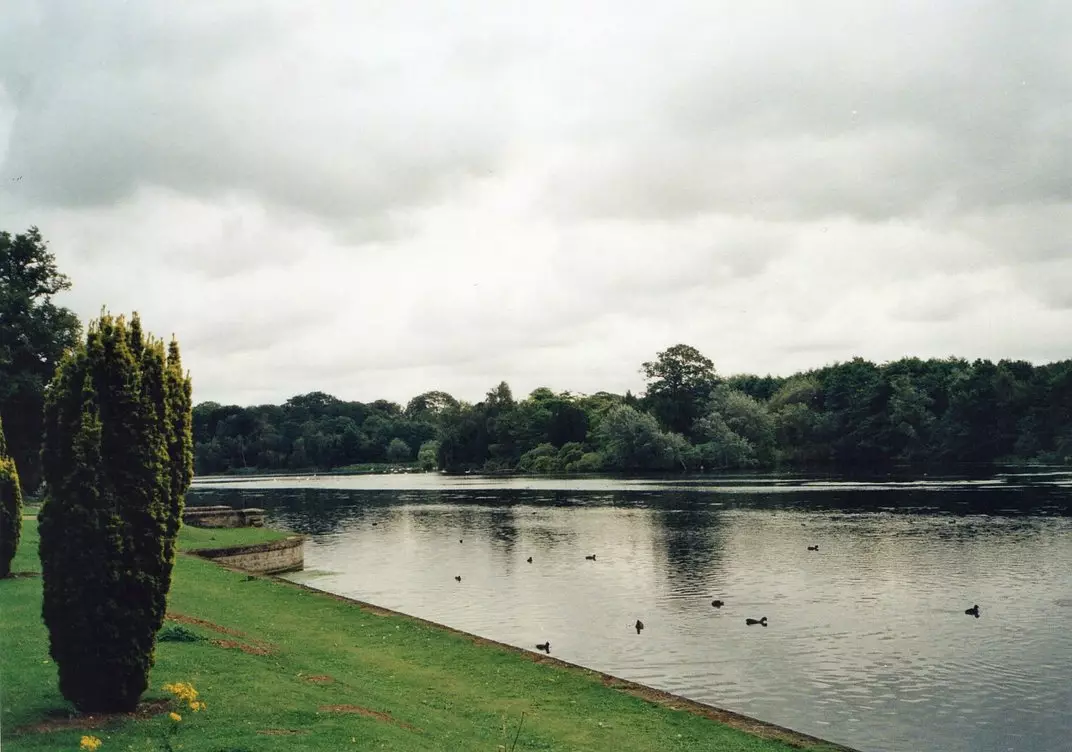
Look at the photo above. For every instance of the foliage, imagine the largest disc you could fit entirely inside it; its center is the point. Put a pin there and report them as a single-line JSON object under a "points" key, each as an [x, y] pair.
{"points": [[429, 406], [427, 455], [399, 451], [720, 446], [116, 461], [848, 414], [308, 431], [632, 441], [680, 380], [749, 419], [10, 508], [177, 633], [34, 333]]}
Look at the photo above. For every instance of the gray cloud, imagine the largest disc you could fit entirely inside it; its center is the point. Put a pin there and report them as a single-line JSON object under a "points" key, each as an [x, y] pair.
{"points": [[376, 201]]}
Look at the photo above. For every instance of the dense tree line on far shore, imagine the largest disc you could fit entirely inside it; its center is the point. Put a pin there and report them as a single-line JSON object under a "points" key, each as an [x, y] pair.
{"points": [[854, 414]]}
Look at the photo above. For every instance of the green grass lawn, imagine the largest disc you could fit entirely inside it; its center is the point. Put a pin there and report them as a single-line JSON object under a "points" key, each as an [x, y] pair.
{"points": [[194, 538], [285, 668]]}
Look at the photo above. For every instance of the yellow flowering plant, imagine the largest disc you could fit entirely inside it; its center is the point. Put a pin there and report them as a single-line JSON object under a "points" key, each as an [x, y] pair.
{"points": [[90, 743], [183, 692]]}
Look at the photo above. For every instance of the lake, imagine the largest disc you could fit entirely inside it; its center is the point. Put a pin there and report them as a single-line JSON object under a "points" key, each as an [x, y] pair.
{"points": [[867, 642]]}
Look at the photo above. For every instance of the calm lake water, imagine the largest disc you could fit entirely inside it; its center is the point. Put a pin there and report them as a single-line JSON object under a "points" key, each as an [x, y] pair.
{"points": [[867, 642]]}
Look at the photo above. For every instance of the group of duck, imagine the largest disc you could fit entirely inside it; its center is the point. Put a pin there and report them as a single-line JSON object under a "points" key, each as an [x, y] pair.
{"points": [[717, 603]]}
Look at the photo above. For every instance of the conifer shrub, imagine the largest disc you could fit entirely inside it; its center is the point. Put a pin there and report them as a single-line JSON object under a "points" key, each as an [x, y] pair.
{"points": [[117, 460], [10, 508]]}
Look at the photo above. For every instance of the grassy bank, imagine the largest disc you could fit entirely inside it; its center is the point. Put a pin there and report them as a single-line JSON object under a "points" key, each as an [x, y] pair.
{"points": [[281, 667]]}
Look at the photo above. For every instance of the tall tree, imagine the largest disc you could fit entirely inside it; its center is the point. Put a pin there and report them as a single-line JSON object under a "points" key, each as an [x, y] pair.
{"points": [[429, 406], [34, 333], [10, 508], [116, 461], [680, 381]]}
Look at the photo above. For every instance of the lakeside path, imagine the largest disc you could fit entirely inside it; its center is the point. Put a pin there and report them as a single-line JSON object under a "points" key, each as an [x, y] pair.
{"points": [[281, 666]]}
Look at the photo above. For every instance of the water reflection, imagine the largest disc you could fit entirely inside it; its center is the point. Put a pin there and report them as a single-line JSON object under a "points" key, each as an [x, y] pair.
{"points": [[867, 640]]}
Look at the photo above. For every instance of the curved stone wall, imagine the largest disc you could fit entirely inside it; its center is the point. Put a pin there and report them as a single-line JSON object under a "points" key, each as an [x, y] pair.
{"points": [[274, 557]]}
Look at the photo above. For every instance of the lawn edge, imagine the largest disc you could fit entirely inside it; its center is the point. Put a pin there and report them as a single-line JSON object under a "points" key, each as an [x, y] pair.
{"points": [[747, 724]]}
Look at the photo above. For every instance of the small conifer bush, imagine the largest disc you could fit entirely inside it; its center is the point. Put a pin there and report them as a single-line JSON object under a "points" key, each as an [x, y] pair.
{"points": [[117, 461], [10, 508]]}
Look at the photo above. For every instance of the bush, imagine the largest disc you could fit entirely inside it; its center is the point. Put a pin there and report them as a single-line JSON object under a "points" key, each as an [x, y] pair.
{"points": [[399, 451], [569, 453], [428, 454], [117, 462], [10, 508], [177, 633], [591, 462], [539, 459], [631, 441]]}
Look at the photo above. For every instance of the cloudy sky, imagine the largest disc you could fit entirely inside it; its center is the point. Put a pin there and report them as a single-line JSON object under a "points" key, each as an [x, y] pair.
{"points": [[375, 199]]}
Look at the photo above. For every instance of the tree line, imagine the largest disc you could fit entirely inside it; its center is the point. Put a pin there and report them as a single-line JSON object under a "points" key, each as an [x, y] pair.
{"points": [[853, 414]]}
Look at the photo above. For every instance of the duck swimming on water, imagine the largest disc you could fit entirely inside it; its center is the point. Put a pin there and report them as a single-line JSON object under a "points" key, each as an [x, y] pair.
{"points": [[813, 548], [544, 646], [973, 611], [639, 626], [761, 622], [591, 557], [718, 604], [458, 577]]}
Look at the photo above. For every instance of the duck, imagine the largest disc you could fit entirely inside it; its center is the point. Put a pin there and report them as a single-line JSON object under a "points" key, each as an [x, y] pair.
{"points": [[973, 611], [458, 577], [529, 560], [761, 622], [460, 540], [591, 557], [718, 604], [639, 626], [813, 548], [544, 646]]}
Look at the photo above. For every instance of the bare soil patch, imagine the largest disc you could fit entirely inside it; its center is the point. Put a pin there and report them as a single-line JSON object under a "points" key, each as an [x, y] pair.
{"points": [[255, 647], [248, 649], [379, 715], [194, 621], [63, 720], [321, 679]]}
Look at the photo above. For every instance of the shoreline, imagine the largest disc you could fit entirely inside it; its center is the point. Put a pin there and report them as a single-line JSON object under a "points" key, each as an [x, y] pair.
{"points": [[276, 658]]}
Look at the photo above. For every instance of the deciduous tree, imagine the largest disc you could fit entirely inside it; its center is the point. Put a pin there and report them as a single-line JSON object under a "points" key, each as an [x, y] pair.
{"points": [[34, 333], [680, 381]]}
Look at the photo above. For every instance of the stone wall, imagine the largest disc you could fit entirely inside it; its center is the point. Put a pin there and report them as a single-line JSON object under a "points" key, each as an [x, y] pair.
{"points": [[274, 557], [220, 516]]}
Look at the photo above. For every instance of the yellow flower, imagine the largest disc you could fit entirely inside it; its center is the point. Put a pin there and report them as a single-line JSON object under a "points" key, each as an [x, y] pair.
{"points": [[198, 705], [182, 690], [90, 743], [174, 716]]}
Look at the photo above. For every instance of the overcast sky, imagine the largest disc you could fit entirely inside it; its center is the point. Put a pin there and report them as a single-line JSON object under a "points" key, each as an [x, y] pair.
{"points": [[377, 199]]}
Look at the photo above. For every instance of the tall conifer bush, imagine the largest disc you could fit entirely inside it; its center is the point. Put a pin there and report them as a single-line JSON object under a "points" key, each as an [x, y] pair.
{"points": [[10, 508], [117, 461]]}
